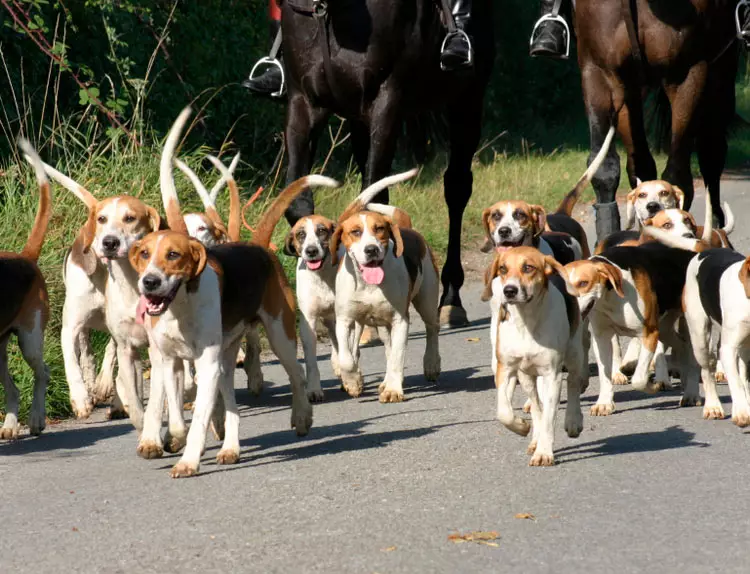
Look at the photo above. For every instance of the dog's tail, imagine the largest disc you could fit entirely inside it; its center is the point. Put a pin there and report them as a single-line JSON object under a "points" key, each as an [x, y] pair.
{"points": [[233, 228], [269, 220], [728, 219], [569, 201], [34, 243], [686, 243], [166, 176], [397, 215], [367, 195], [72, 186], [207, 198]]}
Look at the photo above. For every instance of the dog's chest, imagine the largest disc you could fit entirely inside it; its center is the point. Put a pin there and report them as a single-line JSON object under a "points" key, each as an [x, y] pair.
{"points": [[121, 316], [529, 351], [371, 307], [173, 338], [316, 293]]}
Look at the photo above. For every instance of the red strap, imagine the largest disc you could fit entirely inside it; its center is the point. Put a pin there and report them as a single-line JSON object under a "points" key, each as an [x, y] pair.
{"points": [[274, 12]]}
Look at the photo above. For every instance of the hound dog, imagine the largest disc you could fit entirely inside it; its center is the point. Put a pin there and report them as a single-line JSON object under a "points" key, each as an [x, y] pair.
{"points": [[649, 198], [25, 310], [196, 305], [634, 292], [309, 240], [101, 293], [539, 329], [384, 269]]}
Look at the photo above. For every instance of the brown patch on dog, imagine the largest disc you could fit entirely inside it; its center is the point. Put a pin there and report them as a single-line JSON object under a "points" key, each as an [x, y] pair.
{"points": [[642, 283], [584, 276], [81, 255], [632, 243], [415, 249], [745, 276], [278, 298]]}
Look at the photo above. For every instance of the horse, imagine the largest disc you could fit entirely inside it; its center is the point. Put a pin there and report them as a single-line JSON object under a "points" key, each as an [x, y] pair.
{"points": [[376, 63], [685, 47]]}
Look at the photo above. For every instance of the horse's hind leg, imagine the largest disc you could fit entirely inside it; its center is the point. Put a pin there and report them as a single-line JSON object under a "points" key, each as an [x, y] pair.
{"points": [[598, 98], [303, 125], [717, 109], [465, 120], [385, 128], [641, 164], [684, 98]]}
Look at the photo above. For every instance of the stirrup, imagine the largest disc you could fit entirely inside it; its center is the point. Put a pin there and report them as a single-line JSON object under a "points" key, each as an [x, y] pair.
{"points": [[561, 20], [268, 62], [460, 33], [743, 35]]}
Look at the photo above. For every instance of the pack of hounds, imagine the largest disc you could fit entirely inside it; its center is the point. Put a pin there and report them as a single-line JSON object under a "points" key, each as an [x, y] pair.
{"points": [[188, 290]]}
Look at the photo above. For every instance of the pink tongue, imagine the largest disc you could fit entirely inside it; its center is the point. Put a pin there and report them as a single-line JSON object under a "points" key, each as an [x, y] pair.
{"points": [[140, 310], [501, 248], [314, 265], [372, 275]]}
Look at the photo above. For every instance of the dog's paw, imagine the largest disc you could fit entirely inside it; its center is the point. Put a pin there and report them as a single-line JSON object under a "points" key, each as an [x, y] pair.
{"points": [[82, 409], [527, 406], [602, 409], [9, 433], [541, 459], [741, 418], [619, 378], [713, 412], [302, 418], [531, 449], [720, 377], [149, 449], [353, 383], [175, 442], [650, 387], [188, 406], [227, 456], [690, 401], [391, 396], [183, 470]]}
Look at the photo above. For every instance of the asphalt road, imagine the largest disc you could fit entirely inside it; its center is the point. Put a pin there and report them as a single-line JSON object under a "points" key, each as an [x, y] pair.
{"points": [[380, 488]]}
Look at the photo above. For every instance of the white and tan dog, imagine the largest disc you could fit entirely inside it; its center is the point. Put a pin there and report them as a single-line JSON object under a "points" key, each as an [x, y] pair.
{"points": [[648, 199], [539, 330], [384, 269]]}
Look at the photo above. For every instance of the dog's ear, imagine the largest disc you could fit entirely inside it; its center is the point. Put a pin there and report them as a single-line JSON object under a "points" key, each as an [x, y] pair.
{"points": [[552, 265], [398, 242], [135, 260], [487, 246], [88, 231], [334, 245], [486, 224], [630, 208], [539, 217], [489, 274], [692, 224], [648, 222], [219, 231], [745, 276], [81, 253], [289, 248], [611, 274], [154, 218], [680, 196], [200, 257]]}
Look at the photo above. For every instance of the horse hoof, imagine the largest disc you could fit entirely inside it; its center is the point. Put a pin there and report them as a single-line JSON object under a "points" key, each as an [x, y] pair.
{"points": [[453, 317]]}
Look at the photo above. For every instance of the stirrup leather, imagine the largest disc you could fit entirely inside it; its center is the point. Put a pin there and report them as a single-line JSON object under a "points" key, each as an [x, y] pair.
{"points": [[743, 35], [460, 33], [268, 62], [561, 20]]}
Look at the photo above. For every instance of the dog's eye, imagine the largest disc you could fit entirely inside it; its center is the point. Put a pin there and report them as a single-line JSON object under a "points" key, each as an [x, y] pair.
{"points": [[145, 254], [202, 228], [129, 218], [497, 216], [582, 284], [379, 229], [322, 232], [503, 270], [301, 236], [173, 256], [102, 219], [519, 216], [528, 268], [668, 225], [663, 192], [642, 195], [355, 232]]}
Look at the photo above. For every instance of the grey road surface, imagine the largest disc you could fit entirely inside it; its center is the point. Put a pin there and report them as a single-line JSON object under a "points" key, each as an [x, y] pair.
{"points": [[380, 488]]}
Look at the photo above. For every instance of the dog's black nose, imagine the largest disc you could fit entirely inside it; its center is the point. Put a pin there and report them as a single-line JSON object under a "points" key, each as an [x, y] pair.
{"points": [[503, 231], [151, 282], [510, 291], [653, 207], [110, 243], [311, 252], [372, 250]]}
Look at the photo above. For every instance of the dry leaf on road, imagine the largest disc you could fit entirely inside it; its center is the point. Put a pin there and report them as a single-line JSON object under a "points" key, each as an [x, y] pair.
{"points": [[388, 549], [525, 516], [473, 339], [478, 536]]}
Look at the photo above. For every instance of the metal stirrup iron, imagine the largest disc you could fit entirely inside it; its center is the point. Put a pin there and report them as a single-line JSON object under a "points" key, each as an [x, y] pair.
{"points": [[269, 62], [554, 16], [453, 32], [743, 35]]}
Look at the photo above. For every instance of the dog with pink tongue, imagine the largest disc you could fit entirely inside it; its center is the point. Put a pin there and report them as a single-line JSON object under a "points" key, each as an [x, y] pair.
{"points": [[383, 268]]}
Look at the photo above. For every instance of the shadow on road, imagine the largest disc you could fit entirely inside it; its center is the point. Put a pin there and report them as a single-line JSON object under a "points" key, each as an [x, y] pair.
{"points": [[66, 439]]}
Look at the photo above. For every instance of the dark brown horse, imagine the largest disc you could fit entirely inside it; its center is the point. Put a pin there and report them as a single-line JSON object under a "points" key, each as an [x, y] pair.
{"points": [[687, 48], [376, 63]]}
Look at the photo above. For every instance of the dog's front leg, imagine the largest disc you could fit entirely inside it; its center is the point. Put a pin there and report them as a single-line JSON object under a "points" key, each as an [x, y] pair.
{"points": [[230, 449], [351, 377], [505, 381], [126, 377], [604, 342], [105, 380], [529, 385], [392, 388], [150, 444], [618, 376], [331, 328], [173, 373], [310, 346], [70, 341], [552, 381], [729, 354], [649, 342]]}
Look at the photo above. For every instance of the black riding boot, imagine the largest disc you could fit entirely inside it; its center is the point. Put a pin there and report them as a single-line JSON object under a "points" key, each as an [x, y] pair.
{"points": [[271, 81], [457, 52], [743, 22], [551, 36]]}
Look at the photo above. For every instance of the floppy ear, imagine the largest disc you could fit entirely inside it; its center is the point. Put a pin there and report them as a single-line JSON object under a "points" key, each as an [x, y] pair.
{"points": [[200, 256], [154, 218], [489, 275], [693, 224], [630, 209], [745, 276], [539, 215], [680, 196], [552, 265], [289, 248], [88, 231], [81, 253], [613, 275], [487, 246], [486, 224], [398, 250], [649, 222], [135, 261], [220, 232], [334, 245]]}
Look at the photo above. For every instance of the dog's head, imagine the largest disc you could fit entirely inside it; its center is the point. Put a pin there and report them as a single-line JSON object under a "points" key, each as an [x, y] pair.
{"points": [[208, 232], [368, 237], [310, 240], [649, 198], [512, 224], [165, 261], [588, 280], [518, 275], [115, 223], [675, 222]]}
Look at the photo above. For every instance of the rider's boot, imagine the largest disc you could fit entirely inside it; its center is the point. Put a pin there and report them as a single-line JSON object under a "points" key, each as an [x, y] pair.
{"points": [[457, 52], [742, 19], [551, 35], [271, 81]]}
